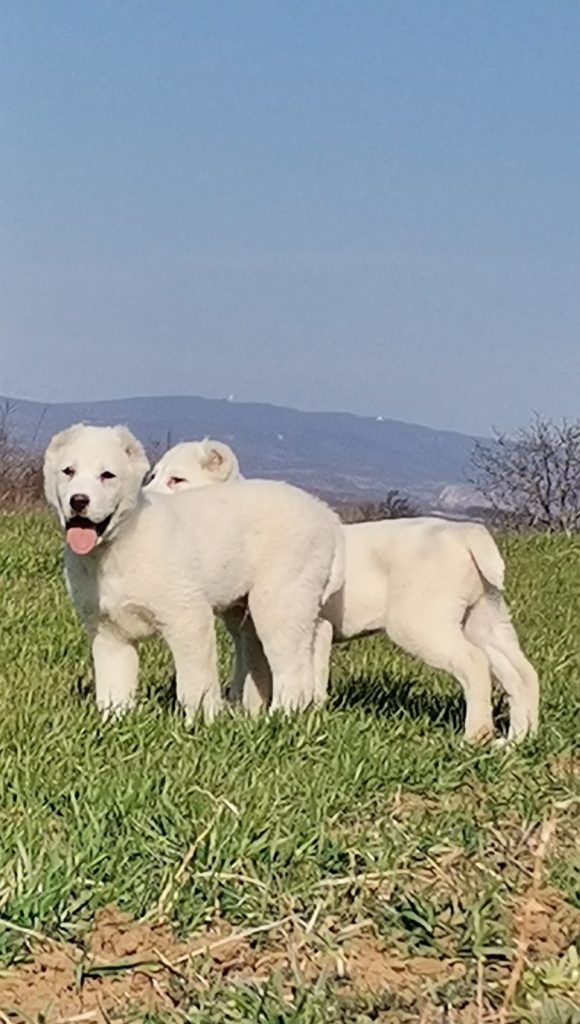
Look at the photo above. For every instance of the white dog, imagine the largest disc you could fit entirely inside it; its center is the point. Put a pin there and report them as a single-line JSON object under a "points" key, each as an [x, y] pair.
{"points": [[136, 564], [433, 586], [193, 464]]}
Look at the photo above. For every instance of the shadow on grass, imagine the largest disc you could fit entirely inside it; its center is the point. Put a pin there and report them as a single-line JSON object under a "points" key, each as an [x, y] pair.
{"points": [[161, 692], [389, 695], [383, 694]]}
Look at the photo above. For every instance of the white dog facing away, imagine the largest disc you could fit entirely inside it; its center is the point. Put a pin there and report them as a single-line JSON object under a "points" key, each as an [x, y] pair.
{"points": [[139, 563], [433, 586]]}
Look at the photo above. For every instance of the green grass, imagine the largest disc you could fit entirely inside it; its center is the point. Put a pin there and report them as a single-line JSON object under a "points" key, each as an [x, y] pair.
{"points": [[292, 816]]}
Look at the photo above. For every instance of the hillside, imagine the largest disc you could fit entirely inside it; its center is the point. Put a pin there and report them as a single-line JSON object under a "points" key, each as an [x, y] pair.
{"points": [[338, 454]]}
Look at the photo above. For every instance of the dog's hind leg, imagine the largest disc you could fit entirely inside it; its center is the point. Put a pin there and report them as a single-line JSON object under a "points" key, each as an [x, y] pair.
{"points": [[439, 640], [251, 685], [116, 673], [322, 649], [233, 619], [193, 646], [235, 689], [489, 626], [257, 677]]}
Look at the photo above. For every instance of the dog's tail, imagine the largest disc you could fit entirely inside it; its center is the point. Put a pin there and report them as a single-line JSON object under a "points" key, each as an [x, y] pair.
{"points": [[337, 570], [485, 554]]}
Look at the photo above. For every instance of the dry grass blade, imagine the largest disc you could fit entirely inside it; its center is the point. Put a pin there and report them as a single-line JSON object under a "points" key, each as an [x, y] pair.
{"points": [[104, 1013], [80, 1018], [230, 876], [168, 894], [360, 879], [163, 995], [248, 933], [28, 932], [480, 989], [523, 939], [354, 929], [218, 801], [168, 965]]}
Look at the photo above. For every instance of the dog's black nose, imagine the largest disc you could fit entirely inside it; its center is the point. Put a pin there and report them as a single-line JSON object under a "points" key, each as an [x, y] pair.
{"points": [[79, 502]]}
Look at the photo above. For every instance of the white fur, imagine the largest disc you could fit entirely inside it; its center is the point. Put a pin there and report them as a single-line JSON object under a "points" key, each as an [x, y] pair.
{"points": [[435, 588], [164, 565], [193, 464]]}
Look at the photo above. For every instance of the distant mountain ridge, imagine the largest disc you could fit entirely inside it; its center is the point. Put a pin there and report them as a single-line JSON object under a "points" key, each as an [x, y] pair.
{"points": [[338, 454]]}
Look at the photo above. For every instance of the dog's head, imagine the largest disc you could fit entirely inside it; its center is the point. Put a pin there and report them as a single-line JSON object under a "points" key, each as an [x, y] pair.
{"points": [[193, 464], [92, 477]]}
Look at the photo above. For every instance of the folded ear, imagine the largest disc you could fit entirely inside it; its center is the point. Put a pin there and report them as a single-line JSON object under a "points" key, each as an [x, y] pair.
{"points": [[219, 461], [49, 468], [135, 450]]}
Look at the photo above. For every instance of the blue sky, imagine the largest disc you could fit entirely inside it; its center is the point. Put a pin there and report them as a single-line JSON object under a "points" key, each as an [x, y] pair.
{"points": [[369, 206]]}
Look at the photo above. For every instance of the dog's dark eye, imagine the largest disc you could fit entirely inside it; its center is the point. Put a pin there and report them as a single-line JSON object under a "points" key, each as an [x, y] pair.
{"points": [[69, 471], [174, 480], [107, 475]]}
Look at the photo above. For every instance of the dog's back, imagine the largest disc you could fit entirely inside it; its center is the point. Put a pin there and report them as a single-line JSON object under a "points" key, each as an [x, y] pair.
{"points": [[244, 527]]}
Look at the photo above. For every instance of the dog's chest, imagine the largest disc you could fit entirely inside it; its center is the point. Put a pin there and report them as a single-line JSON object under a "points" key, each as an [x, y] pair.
{"points": [[131, 620], [104, 597], [130, 616]]}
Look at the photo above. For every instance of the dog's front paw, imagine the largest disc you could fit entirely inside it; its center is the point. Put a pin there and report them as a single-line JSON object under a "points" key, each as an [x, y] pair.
{"points": [[211, 705], [113, 712], [296, 700]]}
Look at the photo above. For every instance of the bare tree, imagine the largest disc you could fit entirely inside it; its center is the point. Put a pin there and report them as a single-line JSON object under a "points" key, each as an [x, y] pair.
{"points": [[156, 448], [532, 478], [393, 506], [20, 467]]}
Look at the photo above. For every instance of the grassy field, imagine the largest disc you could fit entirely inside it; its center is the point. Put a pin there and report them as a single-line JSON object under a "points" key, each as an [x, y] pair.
{"points": [[356, 864]]}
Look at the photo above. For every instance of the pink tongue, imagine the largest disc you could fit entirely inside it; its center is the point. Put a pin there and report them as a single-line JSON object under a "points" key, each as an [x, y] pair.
{"points": [[81, 540]]}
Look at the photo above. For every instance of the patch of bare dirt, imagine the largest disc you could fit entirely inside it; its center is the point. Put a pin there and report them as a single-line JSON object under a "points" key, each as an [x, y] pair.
{"points": [[126, 965], [566, 766], [553, 924], [61, 981], [130, 966], [372, 969]]}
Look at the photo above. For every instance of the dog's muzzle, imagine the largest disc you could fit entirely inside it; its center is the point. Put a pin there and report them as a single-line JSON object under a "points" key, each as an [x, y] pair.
{"points": [[82, 534], [79, 502]]}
